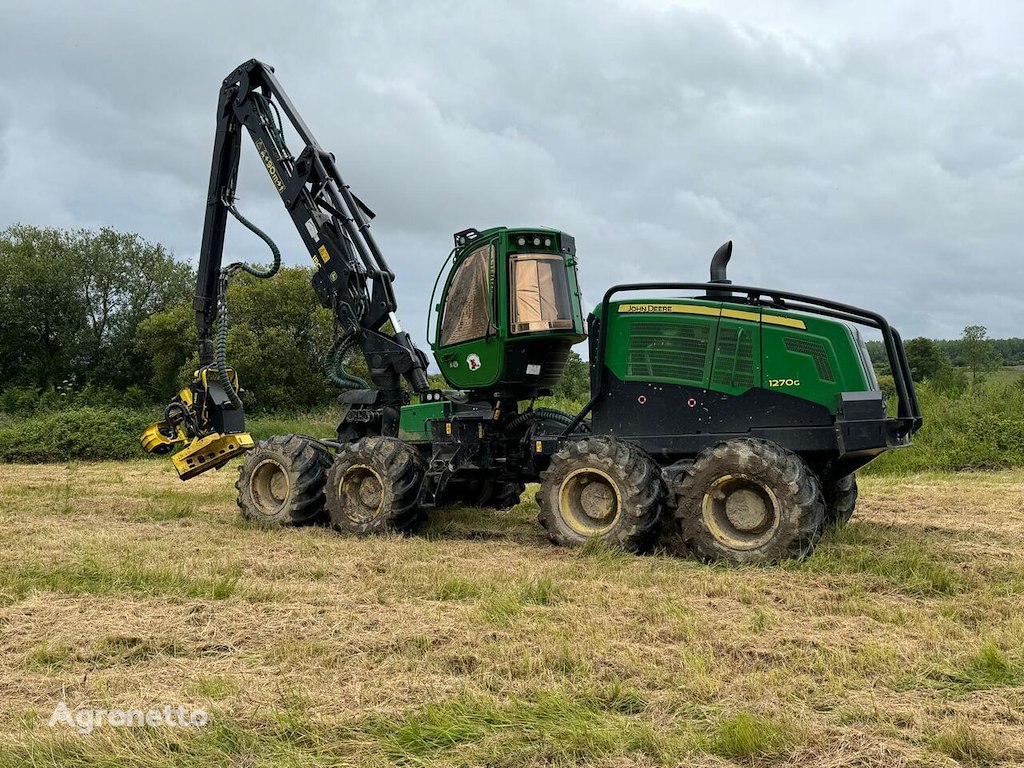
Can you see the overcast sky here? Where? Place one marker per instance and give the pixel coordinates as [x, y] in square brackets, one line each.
[866, 151]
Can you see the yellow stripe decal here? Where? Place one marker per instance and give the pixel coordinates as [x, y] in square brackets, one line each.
[685, 309]
[697, 309]
[739, 314]
[789, 322]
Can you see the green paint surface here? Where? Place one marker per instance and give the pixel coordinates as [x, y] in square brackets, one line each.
[687, 342]
[414, 420]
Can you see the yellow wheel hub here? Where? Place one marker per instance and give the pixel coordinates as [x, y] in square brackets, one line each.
[589, 501]
[741, 512]
[362, 493]
[270, 487]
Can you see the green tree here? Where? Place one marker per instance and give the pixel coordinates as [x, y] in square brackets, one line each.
[925, 359]
[878, 355]
[575, 382]
[949, 381]
[42, 308]
[125, 280]
[168, 341]
[978, 353]
[278, 338]
[72, 301]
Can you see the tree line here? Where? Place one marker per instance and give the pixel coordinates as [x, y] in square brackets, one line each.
[951, 365]
[107, 316]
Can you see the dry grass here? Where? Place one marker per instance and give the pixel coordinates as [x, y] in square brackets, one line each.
[899, 643]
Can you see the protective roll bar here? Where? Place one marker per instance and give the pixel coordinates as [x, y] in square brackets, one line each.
[908, 410]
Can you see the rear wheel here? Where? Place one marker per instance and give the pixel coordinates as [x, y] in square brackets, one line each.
[840, 501]
[281, 481]
[749, 501]
[599, 487]
[372, 486]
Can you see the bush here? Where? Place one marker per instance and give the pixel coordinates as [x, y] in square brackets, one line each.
[26, 401]
[982, 429]
[19, 401]
[80, 433]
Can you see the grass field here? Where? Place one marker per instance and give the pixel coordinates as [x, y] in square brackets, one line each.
[898, 643]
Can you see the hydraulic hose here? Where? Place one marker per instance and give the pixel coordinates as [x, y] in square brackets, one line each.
[272, 120]
[543, 414]
[334, 364]
[220, 350]
[255, 271]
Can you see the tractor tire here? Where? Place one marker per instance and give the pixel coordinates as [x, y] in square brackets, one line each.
[373, 485]
[601, 488]
[840, 500]
[281, 481]
[500, 494]
[749, 501]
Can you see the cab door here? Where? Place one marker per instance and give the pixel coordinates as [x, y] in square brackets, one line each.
[468, 347]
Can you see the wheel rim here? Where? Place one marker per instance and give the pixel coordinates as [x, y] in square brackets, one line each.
[270, 487]
[589, 501]
[361, 491]
[741, 512]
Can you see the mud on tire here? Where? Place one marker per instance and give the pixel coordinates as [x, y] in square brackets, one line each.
[281, 481]
[373, 485]
[748, 501]
[600, 487]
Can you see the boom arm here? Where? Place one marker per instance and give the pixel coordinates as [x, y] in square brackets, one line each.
[352, 277]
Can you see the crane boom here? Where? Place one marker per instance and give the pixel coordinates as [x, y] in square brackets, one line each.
[351, 276]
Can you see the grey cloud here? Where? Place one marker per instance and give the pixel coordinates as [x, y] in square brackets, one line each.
[873, 156]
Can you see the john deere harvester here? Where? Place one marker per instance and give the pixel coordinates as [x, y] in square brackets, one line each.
[733, 417]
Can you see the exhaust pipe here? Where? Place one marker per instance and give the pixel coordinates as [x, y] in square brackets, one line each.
[719, 262]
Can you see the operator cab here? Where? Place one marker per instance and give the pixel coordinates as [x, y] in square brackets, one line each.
[509, 311]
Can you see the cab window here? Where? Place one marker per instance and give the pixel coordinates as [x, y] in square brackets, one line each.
[467, 307]
[540, 293]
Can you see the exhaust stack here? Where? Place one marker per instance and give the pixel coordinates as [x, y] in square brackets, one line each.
[719, 262]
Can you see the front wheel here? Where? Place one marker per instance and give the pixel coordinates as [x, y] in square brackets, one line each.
[281, 481]
[373, 485]
[749, 501]
[599, 487]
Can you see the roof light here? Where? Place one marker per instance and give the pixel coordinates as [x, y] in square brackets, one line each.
[536, 241]
[521, 240]
[547, 242]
